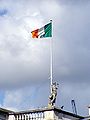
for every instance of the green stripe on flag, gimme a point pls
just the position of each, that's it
(47, 30)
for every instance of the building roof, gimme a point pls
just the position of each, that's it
(68, 113)
(49, 109)
(5, 110)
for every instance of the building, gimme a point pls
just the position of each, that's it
(88, 117)
(4, 114)
(39, 114)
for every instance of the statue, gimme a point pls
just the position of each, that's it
(52, 97)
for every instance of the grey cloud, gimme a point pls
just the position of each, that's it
(75, 52)
(73, 2)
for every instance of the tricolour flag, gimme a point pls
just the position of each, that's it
(43, 32)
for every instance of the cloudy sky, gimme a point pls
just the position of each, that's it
(25, 62)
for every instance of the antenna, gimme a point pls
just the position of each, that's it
(74, 107)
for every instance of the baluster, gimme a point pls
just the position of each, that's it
(27, 117)
(24, 117)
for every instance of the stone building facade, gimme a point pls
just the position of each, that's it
(42, 114)
(4, 114)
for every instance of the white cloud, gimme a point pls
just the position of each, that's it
(12, 99)
(19, 53)
(26, 97)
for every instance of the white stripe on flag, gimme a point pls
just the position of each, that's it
(41, 32)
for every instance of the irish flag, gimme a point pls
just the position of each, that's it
(43, 32)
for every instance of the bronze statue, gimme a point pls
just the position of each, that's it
(52, 97)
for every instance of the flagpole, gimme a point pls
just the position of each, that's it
(51, 62)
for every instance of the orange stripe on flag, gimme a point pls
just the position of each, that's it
(35, 34)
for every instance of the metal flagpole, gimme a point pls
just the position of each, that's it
(51, 65)
(51, 62)
(53, 85)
